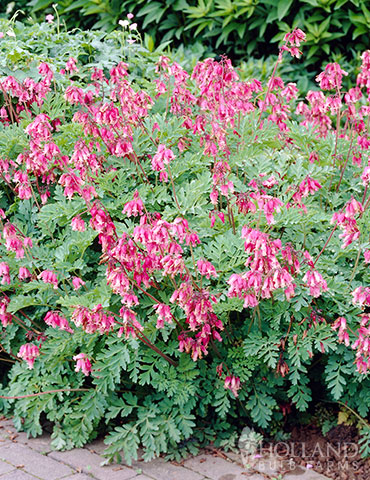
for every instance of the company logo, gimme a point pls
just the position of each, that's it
(295, 456)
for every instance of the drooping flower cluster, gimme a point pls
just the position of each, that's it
(94, 320)
(293, 40)
(365, 177)
(182, 99)
(14, 240)
(361, 296)
(130, 325)
(206, 268)
(278, 98)
(164, 314)
(232, 383)
(198, 308)
(77, 283)
(258, 199)
(55, 320)
(82, 363)
(4, 273)
(26, 93)
(331, 77)
(314, 280)
(307, 187)
(44, 155)
(316, 113)
(5, 316)
(363, 78)
(341, 325)
(316, 283)
(361, 344)
(105, 121)
(47, 276)
(162, 158)
(77, 224)
(29, 352)
(347, 222)
(134, 207)
(266, 273)
(102, 223)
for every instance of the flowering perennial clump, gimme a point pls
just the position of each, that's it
(180, 230)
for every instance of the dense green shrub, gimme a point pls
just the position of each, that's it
(181, 255)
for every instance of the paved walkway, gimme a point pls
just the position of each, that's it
(33, 459)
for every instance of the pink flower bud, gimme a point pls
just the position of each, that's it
(77, 283)
(82, 363)
(77, 224)
(29, 352)
(24, 273)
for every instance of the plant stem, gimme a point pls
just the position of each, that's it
(364, 196)
(356, 264)
(362, 420)
(231, 216)
(28, 318)
(269, 86)
(173, 189)
(337, 132)
(7, 360)
(156, 349)
(47, 392)
(326, 244)
(346, 162)
(2, 349)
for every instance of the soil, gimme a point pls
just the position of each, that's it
(335, 455)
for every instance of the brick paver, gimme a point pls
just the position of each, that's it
(32, 459)
(159, 469)
(215, 468)
(143, 477)
(303, 474)
(18, 475)
(4, 434)
(34, 463)
(41, 444)
(77, 476)
(5, 467)
(256, 476)
(88, 462)
(97, 446)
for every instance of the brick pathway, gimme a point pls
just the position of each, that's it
(32, 459)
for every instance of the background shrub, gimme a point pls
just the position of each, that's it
(335, 28)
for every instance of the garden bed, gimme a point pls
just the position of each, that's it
(335, 455)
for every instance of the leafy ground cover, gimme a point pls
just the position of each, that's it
(183, 252)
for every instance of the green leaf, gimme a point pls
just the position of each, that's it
(109, 365)
(21, 301)
(335, 376)
(261, 406)
(122, 439)
(282, 8)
